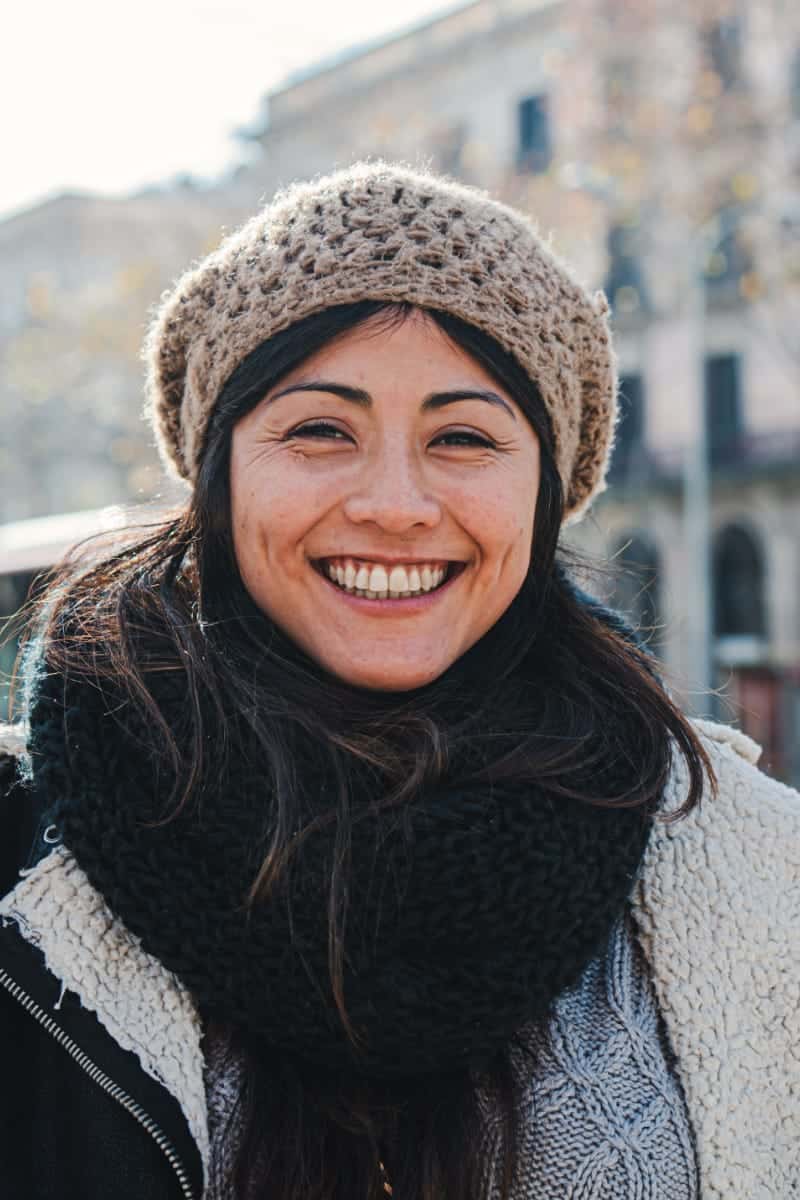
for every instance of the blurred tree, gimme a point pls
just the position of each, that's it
(694, 111)
(81, 275)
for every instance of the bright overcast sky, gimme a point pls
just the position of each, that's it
(111, 97)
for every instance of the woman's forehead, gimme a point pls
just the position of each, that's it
(410, 352)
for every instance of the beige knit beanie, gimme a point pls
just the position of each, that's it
(379, 231)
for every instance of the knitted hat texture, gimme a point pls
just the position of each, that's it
(377, 231)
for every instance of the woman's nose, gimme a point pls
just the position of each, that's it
(391, 493)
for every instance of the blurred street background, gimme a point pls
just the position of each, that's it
(657, 143)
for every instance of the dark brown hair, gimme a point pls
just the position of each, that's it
(173, 599)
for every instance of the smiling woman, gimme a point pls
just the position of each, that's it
(357, 851)
(388, 458)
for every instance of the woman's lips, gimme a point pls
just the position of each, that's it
(407, 586)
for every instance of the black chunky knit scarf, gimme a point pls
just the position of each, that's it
(455, 936)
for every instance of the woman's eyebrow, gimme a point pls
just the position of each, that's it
(357, 395)
(440, 399)
(433, 401)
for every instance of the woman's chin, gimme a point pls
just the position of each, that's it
(386, 675)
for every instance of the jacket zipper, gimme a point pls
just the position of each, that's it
(108, 1085)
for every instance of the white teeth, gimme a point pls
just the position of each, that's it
(376, 583)
(378, 580)
(398, 580)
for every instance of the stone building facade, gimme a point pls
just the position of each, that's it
(80, 275)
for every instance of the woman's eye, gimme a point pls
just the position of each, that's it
(319, 429)
(462, 437)
(324, 430)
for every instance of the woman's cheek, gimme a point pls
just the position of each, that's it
(502, 513)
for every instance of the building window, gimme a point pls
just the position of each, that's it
(738, 584)
(534, 142)
(624, 283)
(726, 267)
(794, 85)
(637, 585)
(723, 407)
(629, 435)
(723, 44)
(620, 89)
(447, 144)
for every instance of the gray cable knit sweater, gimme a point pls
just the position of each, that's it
(605, 1116)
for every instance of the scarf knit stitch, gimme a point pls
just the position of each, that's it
(456, 934)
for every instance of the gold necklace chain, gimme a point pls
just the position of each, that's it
(387, 1187)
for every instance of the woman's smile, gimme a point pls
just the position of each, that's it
(383, 497)
(389, 589)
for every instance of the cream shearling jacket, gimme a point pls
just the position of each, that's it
(717, 913)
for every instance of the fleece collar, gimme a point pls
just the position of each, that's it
(141, 1005)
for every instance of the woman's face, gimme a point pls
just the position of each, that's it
(383, 498)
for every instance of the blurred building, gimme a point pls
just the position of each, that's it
(80, 275)
(659, 146)
(657, 143)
